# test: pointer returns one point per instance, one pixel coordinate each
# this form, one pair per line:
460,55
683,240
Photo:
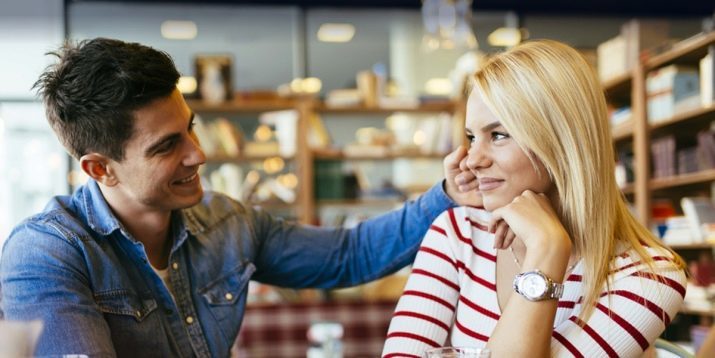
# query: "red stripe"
662,279
467,240
565,342
438,229
566,304
393,355
478,308
633,331
422,317
596,337
478,225
469,332
574,278
636,263
440,255
429,297
436,277
415,337
643,302
476,278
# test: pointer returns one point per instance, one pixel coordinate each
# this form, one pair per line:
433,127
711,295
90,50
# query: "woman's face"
502,169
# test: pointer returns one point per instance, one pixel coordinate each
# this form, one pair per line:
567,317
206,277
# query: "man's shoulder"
59,219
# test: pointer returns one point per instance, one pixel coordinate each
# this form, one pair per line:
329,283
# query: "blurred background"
329,112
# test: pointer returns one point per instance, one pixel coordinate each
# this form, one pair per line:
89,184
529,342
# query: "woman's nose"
477,157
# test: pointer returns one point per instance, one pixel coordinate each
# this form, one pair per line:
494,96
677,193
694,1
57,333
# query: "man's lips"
188,179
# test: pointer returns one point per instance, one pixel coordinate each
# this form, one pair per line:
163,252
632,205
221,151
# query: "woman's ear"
98,168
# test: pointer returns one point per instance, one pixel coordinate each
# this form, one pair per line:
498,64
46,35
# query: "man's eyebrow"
155,147
491,126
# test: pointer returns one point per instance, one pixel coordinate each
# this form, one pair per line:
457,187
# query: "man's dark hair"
91,94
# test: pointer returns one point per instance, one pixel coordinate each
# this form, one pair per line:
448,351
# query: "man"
140,261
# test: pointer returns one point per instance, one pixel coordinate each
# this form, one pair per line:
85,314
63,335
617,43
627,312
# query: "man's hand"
460,184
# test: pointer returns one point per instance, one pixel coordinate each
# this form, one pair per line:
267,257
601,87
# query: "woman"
553,264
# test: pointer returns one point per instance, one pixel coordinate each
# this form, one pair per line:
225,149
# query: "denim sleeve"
43,277
302,256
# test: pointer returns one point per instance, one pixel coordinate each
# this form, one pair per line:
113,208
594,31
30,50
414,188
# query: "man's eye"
165,147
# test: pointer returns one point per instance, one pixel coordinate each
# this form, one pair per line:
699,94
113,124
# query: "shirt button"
175,266
189,320
229,296
139,314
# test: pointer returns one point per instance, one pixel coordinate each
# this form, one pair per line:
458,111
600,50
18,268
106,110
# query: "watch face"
533,285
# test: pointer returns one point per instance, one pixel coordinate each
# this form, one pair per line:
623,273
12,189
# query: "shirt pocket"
124,304
222,294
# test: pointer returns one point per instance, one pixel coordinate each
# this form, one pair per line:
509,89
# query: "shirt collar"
99,216
102,220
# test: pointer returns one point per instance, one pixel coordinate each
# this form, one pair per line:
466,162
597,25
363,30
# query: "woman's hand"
531,218
461,184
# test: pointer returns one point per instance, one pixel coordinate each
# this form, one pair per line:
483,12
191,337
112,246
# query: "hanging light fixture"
447,24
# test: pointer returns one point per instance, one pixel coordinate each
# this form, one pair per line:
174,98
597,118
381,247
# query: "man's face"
160,169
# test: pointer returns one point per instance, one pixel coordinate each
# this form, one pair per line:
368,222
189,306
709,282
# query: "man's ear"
98,168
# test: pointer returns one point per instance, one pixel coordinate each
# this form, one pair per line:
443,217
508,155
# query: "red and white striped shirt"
452,289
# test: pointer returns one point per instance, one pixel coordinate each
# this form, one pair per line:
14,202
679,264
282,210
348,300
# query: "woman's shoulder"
651,258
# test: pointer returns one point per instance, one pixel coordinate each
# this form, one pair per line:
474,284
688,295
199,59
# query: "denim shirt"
77,269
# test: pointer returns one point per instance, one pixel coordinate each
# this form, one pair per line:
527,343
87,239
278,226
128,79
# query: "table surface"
280,330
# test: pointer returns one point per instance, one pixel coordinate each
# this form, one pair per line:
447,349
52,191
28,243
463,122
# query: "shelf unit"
304,159
639,132
301,160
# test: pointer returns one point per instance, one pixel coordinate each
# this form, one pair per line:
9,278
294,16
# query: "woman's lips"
486,184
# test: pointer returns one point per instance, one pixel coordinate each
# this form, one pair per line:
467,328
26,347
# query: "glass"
457,352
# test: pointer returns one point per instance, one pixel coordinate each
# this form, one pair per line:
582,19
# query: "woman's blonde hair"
550,101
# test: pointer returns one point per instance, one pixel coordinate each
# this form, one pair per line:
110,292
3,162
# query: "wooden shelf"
619,86
243,159
359,202
694,246
340,156
623,130
689,50
681,180
242,106
434,107
700,312
693,115
628,189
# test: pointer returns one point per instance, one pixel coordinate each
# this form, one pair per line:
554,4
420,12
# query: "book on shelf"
705,151
664,156
678,231
700,212
228,137
318,135
671,90
707,78
286,129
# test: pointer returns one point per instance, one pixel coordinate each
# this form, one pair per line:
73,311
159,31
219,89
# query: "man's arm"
43,277
304,256
307,256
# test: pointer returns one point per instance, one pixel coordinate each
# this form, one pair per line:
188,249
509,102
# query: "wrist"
552,261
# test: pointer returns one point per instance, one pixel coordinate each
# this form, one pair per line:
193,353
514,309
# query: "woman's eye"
470,138
499,136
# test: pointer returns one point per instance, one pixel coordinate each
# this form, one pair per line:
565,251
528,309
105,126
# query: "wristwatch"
536,286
